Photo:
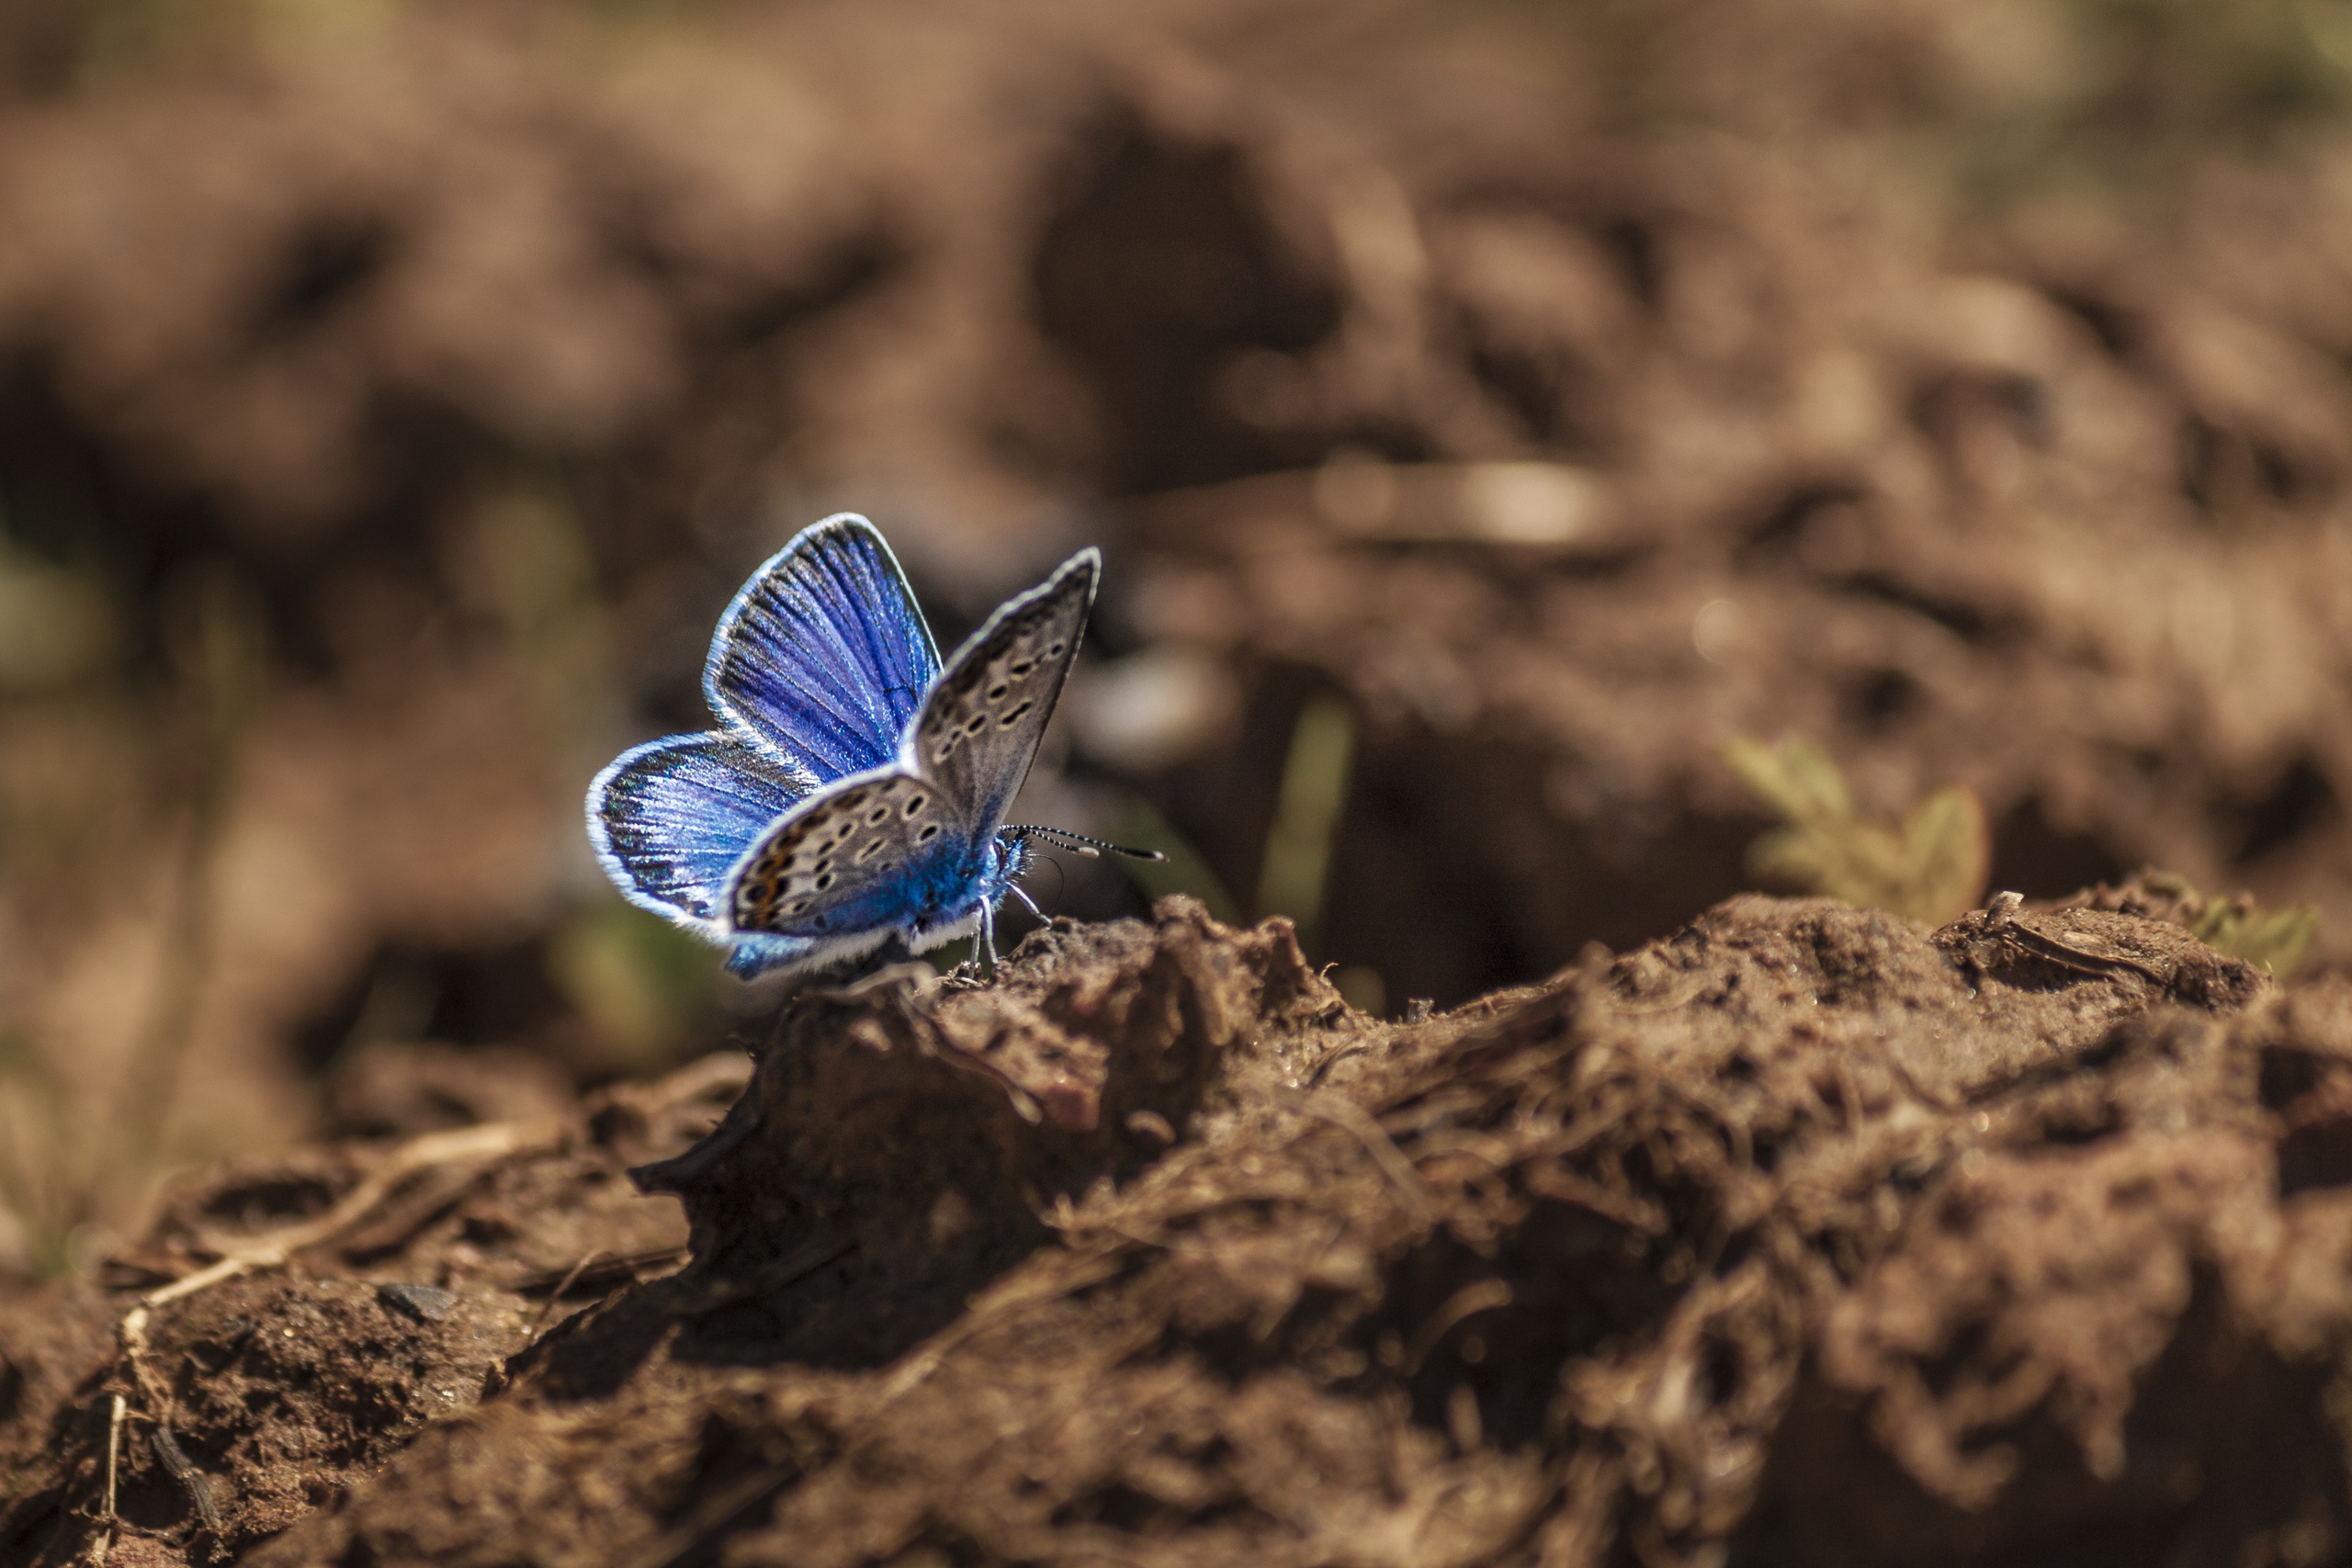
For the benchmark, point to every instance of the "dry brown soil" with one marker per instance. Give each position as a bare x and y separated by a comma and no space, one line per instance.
1804,1234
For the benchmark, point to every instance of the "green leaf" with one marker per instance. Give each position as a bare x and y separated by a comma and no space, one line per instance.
1794,857
2276,939
1816,779
1133,820
1947,855
1933,869
1793,778
643,985
1308,812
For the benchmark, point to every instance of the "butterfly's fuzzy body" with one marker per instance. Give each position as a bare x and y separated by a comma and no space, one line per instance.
856,787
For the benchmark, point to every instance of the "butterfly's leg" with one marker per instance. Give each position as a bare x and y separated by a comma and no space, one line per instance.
988,940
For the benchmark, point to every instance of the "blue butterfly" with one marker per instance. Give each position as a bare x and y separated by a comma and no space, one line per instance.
855,788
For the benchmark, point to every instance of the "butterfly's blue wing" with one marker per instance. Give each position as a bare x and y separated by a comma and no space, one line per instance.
911,846
854,791
823,655
670,818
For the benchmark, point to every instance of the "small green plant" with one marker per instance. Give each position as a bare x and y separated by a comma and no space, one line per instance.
645,987
1306,829
1293,877
43,1141
1932,867
1135,820
2276,939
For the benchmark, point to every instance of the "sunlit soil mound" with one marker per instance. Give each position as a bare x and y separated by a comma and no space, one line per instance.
1805,1235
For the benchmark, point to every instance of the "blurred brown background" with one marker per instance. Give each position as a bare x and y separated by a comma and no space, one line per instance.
1486,410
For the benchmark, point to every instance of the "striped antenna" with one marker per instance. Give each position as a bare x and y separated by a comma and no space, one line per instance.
1063,839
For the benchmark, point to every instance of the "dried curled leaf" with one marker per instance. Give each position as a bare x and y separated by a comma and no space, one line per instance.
1932,868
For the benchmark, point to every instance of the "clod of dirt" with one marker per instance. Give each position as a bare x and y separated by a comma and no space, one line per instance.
277,1395
1804,1234
905,1142
255,1400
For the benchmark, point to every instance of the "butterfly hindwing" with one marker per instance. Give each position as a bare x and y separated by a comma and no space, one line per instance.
824,655
885,850
979,730
670,819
